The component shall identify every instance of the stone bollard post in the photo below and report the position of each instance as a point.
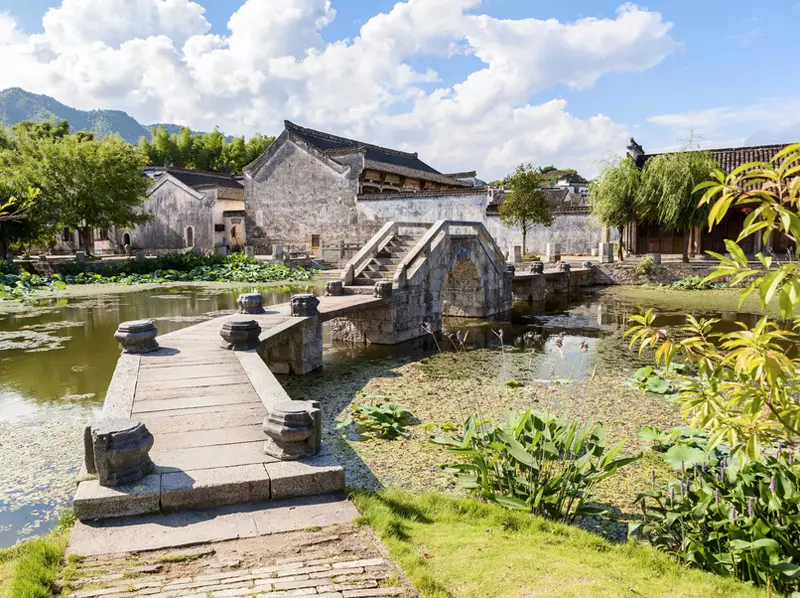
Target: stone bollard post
(537, 268)
(277, 252)
(249, 251)
(117, 450)
(251, 303)
(606, 253)
(334, 288)
(305, 305)
(240, 334)
(564, 266)
(80, 257)
(140, 256)
(553, 252)
(294, 430)
(383, 289)
(138, 336)
(516, 252)
(510, 270)
(656, 257)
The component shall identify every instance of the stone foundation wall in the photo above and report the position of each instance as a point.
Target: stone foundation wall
(665, 273)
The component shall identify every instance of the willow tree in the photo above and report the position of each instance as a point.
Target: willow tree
(668, 194)
(525, 203)
(613, 195)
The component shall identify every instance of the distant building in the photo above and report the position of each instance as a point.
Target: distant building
(648, 237)
(190, 209)
(312, 189)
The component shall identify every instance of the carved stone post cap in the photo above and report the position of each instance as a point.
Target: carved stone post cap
(293, 429)
(334, 288)
(137, 336)
(240, 334)
(510, 269)
(305, 305)
(137, 326)
(383, 289)
(117, 450)
(251, 303)
(588, 264)
(117, 426)
(537, 267)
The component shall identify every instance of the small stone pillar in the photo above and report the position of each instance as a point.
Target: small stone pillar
(251, 303)
(656, 257)
(537, 268)
(222, 250)
(117, 450)
(249, 251)
(294, 430)
(80, 257)
(383, 289)
(334, 288)
(240, 334)
(305, 305)
(516, 252)
(277, 252)
(138, 336)
(553, 252)
(606, 253)
(140, 256)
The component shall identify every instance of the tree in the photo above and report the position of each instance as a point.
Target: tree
(525, 204)
(613, 195)
(85, 184)
(743, 385)
(668, 195)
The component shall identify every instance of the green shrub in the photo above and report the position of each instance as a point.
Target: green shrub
(383, 420)
(727, 517)
(8, 267)
(534, 462)
(645, 267)
(694, 283)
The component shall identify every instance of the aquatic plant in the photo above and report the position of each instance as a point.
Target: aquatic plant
(211, 269)
(534, 462)
(694, 283)
(725, 515)
(383, 420)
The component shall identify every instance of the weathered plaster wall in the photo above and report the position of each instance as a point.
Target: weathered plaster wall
(577, 233)
(174, 210)
(296, 194)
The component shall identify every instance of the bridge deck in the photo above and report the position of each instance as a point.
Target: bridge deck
(205, 406)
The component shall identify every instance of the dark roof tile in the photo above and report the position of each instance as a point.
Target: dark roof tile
(376, 157)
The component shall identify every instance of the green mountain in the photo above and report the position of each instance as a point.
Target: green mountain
(17, 105)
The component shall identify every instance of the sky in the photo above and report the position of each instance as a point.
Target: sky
(468, 84)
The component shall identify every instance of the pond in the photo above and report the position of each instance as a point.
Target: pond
(57, 358)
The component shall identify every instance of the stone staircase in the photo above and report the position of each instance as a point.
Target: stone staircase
(382, 266)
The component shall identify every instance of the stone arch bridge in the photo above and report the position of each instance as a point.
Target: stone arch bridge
(425, 271)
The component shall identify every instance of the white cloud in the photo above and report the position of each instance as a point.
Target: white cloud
(769, 121)
(156, 59)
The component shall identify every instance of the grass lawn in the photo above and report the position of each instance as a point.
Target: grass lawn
(29, 569)
(452, 547)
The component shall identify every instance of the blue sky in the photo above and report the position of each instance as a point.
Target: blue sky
(724, 75)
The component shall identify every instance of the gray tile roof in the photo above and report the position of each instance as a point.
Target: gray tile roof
(560, 199)
(375, 157)
(732, 157)
(198, 178)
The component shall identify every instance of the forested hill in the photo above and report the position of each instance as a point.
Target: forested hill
(17, 105)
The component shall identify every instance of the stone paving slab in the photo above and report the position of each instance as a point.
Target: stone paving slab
(211, 437)
(206, 400)
(206, 418)
(94, 501)
(243, 389)
(183, 528)
(204, 457)
(217, 486)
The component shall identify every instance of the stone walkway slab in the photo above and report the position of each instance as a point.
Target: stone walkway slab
(183, 528)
